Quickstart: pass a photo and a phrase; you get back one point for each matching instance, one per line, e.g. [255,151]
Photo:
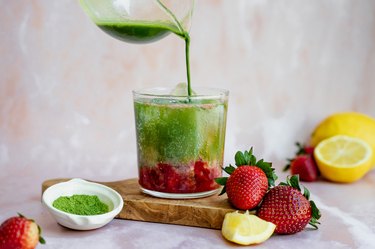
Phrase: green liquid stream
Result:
[143,32]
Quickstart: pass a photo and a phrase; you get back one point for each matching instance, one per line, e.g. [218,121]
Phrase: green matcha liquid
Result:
[144,32]
[180,143]
[138,32]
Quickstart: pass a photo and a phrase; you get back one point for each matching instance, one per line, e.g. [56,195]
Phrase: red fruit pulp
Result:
[167,178]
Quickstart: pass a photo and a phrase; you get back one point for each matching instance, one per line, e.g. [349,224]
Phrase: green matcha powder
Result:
[81,205]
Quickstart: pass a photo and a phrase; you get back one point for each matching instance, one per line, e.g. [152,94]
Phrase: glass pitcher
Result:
[140,21]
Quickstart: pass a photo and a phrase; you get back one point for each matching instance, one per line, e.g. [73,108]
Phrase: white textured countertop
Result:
[348,221]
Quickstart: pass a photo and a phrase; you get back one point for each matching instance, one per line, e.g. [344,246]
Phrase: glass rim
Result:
[166,92]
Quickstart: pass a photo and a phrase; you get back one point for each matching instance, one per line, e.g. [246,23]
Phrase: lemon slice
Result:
[343,158]
[246,229]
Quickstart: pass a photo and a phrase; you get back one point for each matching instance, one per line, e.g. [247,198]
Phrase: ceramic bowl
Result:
[79,186]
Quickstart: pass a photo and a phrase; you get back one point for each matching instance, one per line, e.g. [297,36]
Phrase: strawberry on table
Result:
[305,167]
[249,182]
[303,164]
[20,232]
[289,209]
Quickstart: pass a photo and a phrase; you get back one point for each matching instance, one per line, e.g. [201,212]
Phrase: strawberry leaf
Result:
[41,239]
[287,167]
[306,193]
[301,149]
[240,158]
[293,181]
[315,215]
[221,180]
[229,169]
[21,215]
[252,159]
[315,211]
[245,158]
[223,190]
[268,170]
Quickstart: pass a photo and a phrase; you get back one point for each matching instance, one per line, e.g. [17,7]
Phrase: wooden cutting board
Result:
[206,212]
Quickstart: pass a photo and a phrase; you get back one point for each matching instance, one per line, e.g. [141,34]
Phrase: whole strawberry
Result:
[19,233]
[249,182]
[305,167]
[289,209]
[303,164]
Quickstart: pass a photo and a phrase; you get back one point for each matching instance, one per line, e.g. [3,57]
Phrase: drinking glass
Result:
[180,141]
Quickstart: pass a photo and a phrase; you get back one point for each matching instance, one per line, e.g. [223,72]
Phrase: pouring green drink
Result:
[143,21]
[180,133]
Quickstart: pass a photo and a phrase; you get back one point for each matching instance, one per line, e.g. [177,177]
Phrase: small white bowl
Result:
[79,186]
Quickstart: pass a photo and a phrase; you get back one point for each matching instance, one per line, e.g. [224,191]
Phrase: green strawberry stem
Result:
[293,181]
[247,158]
[41,239]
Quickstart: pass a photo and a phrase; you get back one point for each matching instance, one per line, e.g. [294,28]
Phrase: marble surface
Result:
[66,105]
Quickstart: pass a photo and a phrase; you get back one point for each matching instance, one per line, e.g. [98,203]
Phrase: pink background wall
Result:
[65,86]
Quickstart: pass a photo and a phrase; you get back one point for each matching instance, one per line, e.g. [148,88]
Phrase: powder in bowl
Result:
[81,205]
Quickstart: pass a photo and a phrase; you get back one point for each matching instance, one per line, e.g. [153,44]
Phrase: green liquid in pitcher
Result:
[143,32]
[137,32]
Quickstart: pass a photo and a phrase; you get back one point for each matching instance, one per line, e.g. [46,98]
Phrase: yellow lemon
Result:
[246,229]
[347,123]
[343,158]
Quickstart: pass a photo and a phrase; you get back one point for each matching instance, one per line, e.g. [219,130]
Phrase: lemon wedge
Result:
[343,158]
[246,229]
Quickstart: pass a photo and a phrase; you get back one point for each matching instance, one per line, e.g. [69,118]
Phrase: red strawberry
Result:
[289,209]
[249,182]
[308,150]
[19,233]
[305,167]
[304,164]
[246,187]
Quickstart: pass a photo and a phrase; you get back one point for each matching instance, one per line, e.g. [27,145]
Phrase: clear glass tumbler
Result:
[180,141]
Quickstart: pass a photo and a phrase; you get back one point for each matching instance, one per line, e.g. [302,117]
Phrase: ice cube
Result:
[181,89]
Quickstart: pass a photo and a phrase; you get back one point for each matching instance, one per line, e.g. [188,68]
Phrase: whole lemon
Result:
[347,123]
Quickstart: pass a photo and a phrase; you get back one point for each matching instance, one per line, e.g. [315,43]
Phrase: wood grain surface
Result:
[206,212]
